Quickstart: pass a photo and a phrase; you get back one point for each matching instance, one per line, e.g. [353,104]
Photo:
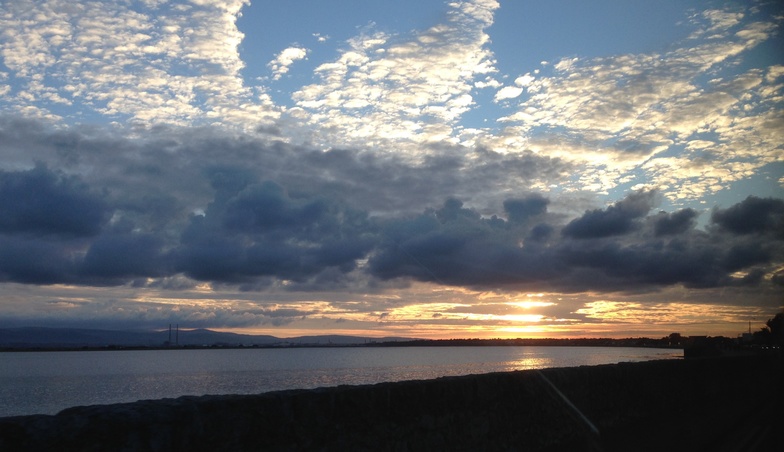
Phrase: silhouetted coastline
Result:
[69,339]
[66,339]
[584,342]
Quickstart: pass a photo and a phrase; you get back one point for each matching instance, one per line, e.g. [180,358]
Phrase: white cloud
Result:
[508,92]
[524,80]
[403,91]
[617,114]
[565,64]
[488,82]
[280,65]
[721,20]
[171,62]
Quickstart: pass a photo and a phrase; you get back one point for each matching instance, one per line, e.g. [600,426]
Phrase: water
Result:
[47,382]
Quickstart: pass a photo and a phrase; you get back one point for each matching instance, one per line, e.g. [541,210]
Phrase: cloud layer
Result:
[138,159]
[287,216]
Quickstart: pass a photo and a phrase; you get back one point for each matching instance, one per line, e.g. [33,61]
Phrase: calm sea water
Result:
[47,382]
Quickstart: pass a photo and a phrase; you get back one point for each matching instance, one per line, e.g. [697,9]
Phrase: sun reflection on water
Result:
[533,362]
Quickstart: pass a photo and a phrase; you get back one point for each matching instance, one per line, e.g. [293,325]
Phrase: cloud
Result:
[42,202]
[371,196]
[508,92]
[150,63]
[520,210]
[615,220]
[280,65]
[285,218]
[455,246]
[118,257]
[524,80]
[623,116]
[38,261]
[126,312]
[674,223]
[618,249]
[385,89]
[721,20]
[630,112]
[260,231]
[511,92]
[752,215]
[173,172]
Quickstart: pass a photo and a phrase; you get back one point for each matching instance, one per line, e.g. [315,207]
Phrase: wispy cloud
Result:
[159,62]
[617,114]
[391,90]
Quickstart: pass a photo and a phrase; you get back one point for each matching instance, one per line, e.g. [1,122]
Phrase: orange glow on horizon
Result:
[421,311]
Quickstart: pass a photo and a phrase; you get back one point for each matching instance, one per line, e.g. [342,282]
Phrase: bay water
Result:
[47,382]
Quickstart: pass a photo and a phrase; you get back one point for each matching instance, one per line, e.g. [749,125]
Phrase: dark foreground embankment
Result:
[711,404]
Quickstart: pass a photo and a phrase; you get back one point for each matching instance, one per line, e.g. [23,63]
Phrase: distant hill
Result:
[36,337]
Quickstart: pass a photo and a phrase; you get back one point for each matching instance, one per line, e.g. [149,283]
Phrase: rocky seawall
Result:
[728,404]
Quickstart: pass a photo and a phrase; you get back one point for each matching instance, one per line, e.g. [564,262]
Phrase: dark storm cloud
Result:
[257,229]
[465,249]
[674,223]
[118,257]
[265,207]
[232,210]
[520,210]
[38,260]
[613,266]
[44,202]
[617,219]
[455,245]
[541,232]
[46,219]
[747,253]
[166,164]
[752,215]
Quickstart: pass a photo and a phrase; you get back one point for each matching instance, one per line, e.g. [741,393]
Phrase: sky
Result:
[428,168]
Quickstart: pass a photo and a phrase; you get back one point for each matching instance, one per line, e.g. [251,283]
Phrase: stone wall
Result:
[708,404]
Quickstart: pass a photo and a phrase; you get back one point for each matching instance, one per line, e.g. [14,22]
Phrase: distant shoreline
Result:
[583,342]
[36,339]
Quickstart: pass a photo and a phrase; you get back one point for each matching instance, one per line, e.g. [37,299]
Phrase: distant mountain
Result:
[35,337]
[336,339]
